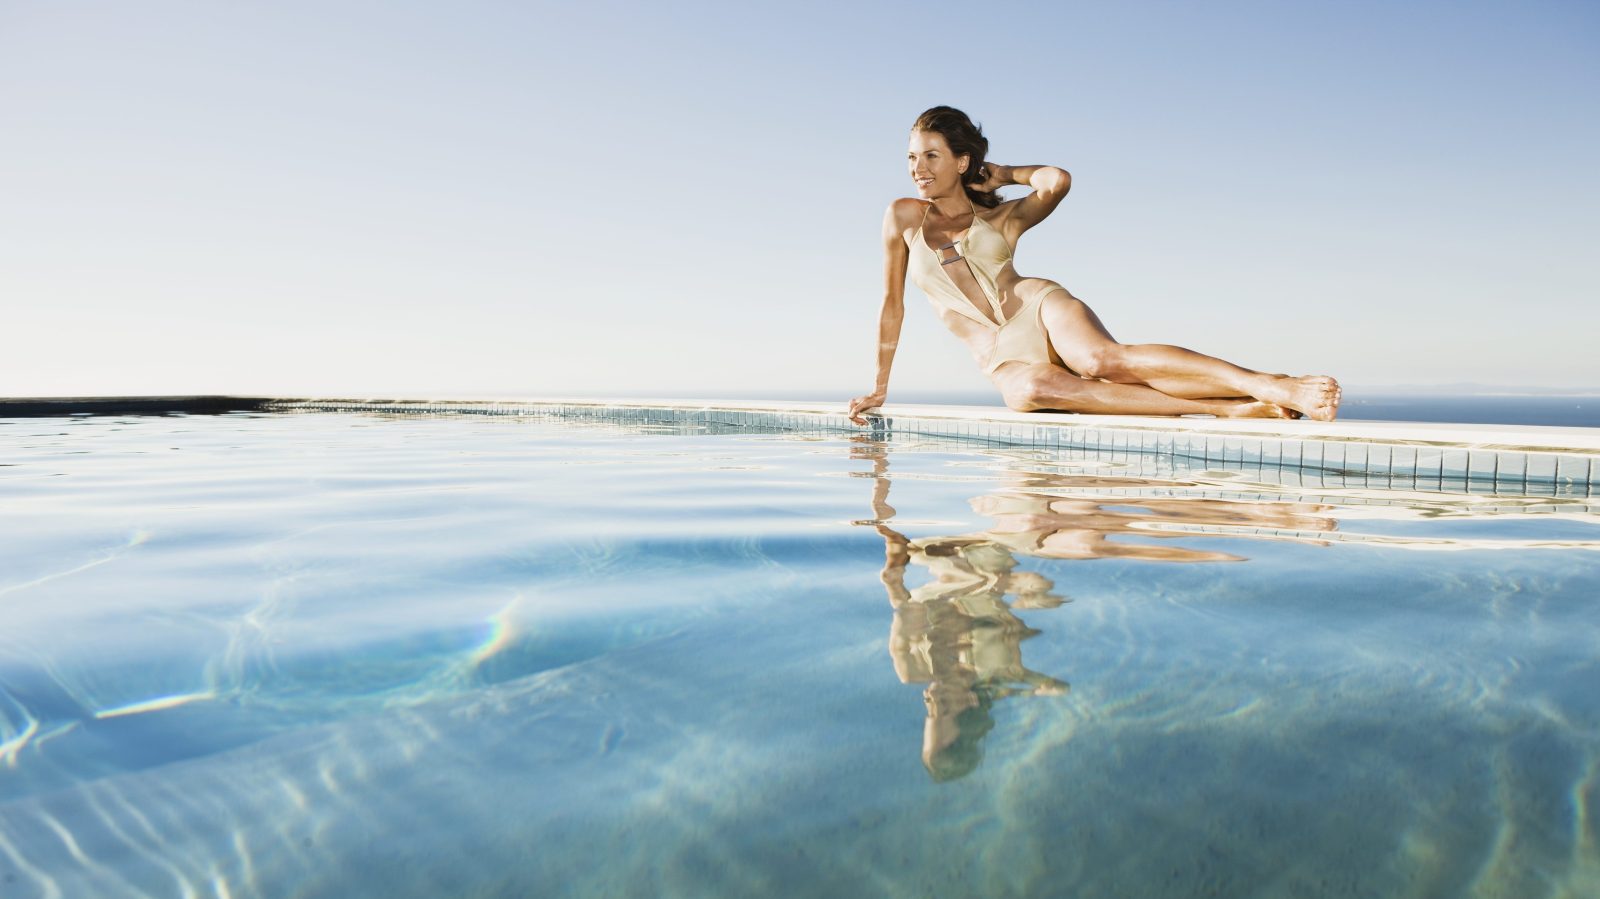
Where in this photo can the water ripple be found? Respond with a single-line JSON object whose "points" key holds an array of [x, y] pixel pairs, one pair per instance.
{"points": [[343, 655]]}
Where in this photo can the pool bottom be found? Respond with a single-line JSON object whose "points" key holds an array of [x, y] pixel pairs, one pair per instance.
{"points": [[790, 764]]}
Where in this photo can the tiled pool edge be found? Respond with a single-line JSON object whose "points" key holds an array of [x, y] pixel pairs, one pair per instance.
{"points": [[1533, 461], [1474, 458]]}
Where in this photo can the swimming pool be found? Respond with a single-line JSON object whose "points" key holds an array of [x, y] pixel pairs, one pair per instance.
{"points": [[337, 654]]}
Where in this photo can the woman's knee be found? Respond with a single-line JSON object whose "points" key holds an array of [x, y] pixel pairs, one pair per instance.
{"points": [[1048, 387], [1020, 394], [1024, 393], [1021, 401]]}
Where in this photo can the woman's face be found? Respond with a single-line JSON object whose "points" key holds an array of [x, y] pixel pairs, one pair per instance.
{"points": [[934, 170]]}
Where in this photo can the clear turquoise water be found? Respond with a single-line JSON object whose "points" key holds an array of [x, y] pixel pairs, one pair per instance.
{"points": [[342, 655]]}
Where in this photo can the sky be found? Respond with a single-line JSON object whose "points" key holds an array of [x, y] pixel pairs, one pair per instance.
{"points": [[631, 199]]}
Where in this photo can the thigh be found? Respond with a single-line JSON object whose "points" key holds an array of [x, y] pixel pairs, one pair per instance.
{"points": [[1075, 332]]}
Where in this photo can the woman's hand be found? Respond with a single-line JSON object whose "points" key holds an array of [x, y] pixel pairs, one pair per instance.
{"points": [[995, 177], [863, 403]]}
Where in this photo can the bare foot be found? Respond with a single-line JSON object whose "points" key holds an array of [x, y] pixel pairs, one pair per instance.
{"points": [[1255, 410], [1315, 396]]}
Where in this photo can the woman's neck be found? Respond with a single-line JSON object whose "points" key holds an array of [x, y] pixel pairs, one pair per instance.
{"points": [[954, 206]]}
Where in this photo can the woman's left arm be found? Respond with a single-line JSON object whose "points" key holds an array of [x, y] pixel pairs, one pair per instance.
{"points": [[1050, 186]]}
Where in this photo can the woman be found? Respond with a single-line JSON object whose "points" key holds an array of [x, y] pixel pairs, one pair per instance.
{"points": [[1040, 345]]}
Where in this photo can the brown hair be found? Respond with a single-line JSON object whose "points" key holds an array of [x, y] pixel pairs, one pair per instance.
{"points": [[962, 756], [965, 139]]}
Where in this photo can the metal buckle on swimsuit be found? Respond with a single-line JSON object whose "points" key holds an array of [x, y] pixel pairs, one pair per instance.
{"points": [[956, 258]]}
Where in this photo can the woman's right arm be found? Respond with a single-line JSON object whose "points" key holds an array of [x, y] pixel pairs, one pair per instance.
{"points": [[890, 317], [896, 546]]}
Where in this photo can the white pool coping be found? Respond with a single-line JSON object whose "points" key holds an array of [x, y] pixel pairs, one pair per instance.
{"points": [[1466, 436]]}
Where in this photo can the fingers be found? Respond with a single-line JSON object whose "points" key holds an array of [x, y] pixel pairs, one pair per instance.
{"points": [[856, 408], [861, 404]]}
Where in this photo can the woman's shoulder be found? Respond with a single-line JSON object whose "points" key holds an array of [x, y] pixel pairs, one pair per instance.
{"points": [[908, 205], [907, 212]]}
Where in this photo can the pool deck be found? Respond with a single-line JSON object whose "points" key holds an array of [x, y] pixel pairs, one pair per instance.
{"points": [[1568, 458]]}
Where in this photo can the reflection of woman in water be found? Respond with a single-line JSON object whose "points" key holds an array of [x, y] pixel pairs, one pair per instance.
{"points": [[958, 633], [1040, 345]]}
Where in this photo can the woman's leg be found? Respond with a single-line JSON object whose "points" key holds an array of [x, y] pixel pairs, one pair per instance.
{"points": [[1085, 345], [1040, 387]]}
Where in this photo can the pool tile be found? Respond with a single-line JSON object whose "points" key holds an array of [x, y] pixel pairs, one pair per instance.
{"points": [[1482, 465], [1572, 469], [1380, 459], [1430, 462], [1356, 455], [1541, 467], [1512, 466], [1294, 453], [1329, 454], [1403, 459]]}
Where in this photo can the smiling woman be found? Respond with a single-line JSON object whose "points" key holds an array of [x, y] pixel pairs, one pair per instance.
{"points": [[1044, 348]]}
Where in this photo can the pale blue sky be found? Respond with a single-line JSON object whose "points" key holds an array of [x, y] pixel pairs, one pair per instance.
{"points": [[684, 199]]}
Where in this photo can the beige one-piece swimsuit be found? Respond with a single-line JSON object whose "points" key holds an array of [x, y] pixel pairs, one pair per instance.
{"points": [[985, 252]]}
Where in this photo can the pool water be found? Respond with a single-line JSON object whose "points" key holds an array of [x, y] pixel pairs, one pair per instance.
{"points": [[348, 655]]}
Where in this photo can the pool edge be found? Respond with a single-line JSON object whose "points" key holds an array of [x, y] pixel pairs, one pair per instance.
{"points": [[1542, 459]]}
